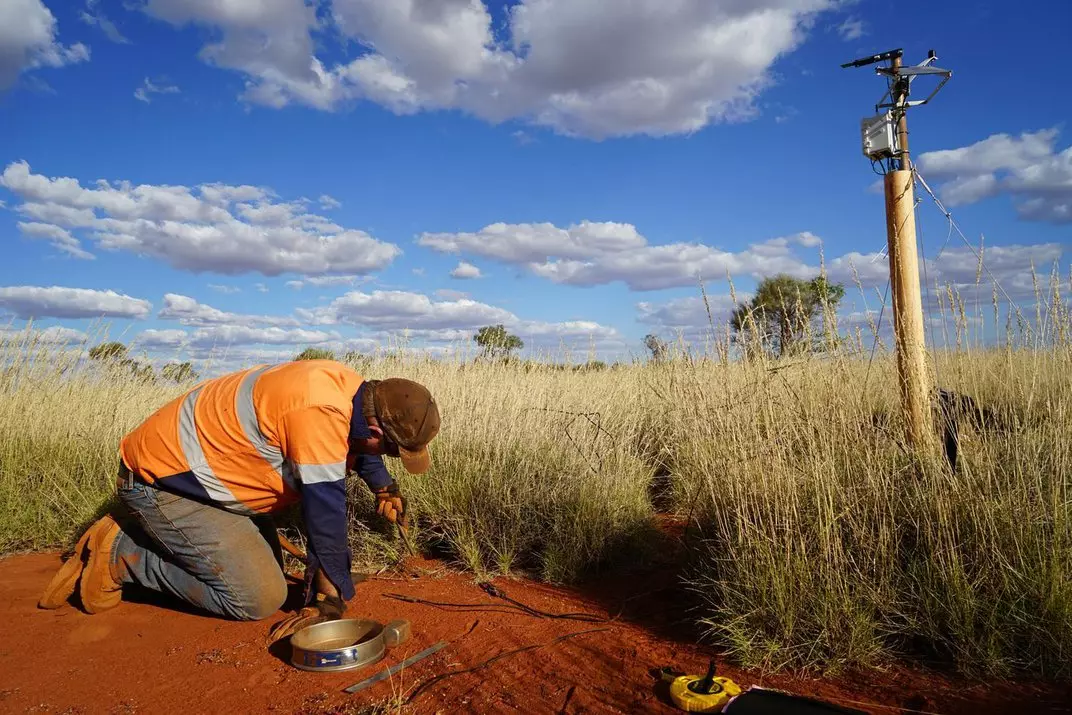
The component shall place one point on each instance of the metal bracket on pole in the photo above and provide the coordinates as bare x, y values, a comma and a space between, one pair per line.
894, 104
898, 74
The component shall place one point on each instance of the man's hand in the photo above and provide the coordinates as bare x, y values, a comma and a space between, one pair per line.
391, 505
324, 608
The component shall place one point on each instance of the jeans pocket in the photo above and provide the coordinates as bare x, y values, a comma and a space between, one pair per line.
144, 502
166, 498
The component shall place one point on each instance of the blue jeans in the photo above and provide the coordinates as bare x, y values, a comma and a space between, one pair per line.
225, 563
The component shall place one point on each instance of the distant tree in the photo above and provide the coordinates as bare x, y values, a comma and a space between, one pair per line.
108, 351
115, 356
591, 365
778, 317
315, 354
140, 370
178, 372
357, 360
656, 346
496, 342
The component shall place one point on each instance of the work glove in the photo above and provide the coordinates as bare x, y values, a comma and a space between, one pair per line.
391, 505
324, 608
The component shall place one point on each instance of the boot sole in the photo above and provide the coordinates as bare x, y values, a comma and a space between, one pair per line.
64, 583
98, 590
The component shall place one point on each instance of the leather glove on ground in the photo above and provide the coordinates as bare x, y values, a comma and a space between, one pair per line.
391, 505
324, 608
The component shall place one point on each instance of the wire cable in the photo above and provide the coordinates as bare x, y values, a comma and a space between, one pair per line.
926, 280
953, 226
494, 591
511, 606
878, 331
480, 666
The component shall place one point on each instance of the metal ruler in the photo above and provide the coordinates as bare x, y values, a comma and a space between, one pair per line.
388, 672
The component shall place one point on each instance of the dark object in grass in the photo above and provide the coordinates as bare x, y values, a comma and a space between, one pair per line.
951, 409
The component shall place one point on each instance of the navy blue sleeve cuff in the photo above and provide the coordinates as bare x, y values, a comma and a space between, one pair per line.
324, 512
369, 467
373, 471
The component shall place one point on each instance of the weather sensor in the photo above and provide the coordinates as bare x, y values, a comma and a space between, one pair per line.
879, 135
882, 134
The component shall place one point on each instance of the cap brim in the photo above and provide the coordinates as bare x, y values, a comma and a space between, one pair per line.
415, 462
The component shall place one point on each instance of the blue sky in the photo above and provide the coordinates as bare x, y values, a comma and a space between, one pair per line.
567, 167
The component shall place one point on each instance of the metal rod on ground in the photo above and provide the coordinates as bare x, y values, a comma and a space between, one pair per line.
405, 539
388, 672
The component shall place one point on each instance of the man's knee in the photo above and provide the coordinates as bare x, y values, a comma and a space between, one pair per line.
261, 600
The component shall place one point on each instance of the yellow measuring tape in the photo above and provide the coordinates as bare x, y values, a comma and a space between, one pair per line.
700, 693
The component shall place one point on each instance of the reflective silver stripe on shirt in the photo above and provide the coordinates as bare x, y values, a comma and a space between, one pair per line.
247, 417
316, 473
195, 457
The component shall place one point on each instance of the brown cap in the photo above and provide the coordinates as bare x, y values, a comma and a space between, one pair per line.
408, 414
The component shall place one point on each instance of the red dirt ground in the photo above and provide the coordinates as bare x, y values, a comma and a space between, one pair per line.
152, 656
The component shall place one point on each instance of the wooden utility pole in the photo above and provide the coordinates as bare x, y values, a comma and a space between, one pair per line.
904, 280
885, 142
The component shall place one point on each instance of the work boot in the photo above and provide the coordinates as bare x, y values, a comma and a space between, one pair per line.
99, 587
65, 581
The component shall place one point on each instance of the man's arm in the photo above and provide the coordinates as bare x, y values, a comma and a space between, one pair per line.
371, 469
315, 442
373, 472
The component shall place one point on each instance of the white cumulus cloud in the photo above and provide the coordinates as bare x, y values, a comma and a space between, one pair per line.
56, 334
465, 271
323, 281
189, 311
957, 267
1028, 167
219, 288
223, 336
1011, 266
596, 253
155, 338
59, 237
689, 313
211, 227
582, 67
404, 310
62, 302
449, 294
395, 312
28, 41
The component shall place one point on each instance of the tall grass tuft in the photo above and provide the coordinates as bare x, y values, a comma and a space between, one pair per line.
827, 542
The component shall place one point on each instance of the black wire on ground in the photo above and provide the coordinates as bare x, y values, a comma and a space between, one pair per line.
479, 666
512, 606
455, 607
495, 592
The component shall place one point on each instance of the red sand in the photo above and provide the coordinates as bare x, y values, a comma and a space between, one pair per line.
151, 656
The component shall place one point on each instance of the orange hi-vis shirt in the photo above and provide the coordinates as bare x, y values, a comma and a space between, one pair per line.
247, 437
253, 442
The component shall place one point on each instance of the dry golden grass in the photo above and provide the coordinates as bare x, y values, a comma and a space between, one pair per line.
817, 537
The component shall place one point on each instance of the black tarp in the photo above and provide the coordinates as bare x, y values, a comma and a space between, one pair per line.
759, 701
